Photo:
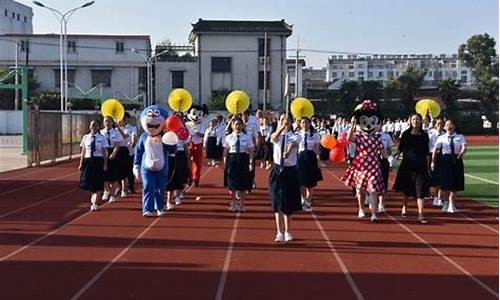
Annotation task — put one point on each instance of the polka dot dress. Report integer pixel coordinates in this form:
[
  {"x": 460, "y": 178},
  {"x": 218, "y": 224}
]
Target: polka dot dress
[{"x": 364, "y": 172}]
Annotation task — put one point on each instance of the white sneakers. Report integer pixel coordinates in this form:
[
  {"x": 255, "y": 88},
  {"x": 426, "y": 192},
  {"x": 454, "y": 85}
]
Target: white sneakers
[
  {"x": 170, "y": 206},
  {"x": 451, "y": 209},
  {"x": 112, "y": 199},
  {"x": 307, "y": 206},
  {"x": 93, "y": 207},
  {"x": 361, "y": 213},
  {"x": 373, "y": 218},
  {"x": 233, "y": 207},
  {"x": 381, "y": 208},
  {"x": 105, "y": 195},
  {"x": 437, "y": 202},
  {"x": 123, "y": 194},
  {"x": 147, "y": 214},
  {"x": 178, "y": 200},
  {"x": 286, "y": 238},
  {"x": 160, "y": 213}
]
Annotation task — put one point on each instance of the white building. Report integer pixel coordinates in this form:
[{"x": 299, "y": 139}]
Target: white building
[
  {"x": 99, "y": 66},
  {"x": 15, "y": 18},
  {"x": 382, "y": 67},
  {"x": 230, "y": 55}
]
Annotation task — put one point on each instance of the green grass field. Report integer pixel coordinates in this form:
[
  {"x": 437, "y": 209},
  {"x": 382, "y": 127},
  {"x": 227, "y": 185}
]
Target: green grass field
[{"x": 482, "y": 162}]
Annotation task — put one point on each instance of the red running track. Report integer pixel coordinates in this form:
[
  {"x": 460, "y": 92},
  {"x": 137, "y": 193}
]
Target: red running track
[{"x": 51, "y": 247}]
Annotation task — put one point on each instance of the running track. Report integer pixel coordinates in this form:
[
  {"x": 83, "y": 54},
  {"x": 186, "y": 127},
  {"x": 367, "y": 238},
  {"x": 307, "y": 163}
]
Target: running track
[{"x": 51, "y": 247}]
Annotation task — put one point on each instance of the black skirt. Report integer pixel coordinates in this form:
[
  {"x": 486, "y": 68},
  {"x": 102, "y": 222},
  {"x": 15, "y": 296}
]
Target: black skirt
[
  {"x": 434, "y": 174},
  {"x": 124, "y": 166},
  {"x": 113, "y": 172},
  {"x": 324, "y": 153},
  {"x": 385, "y": 167},
  {"x": 451, "y": 173},
  {"x": 212, "y": 148},
  {"x": 412, "y": 182},
  {"x": 284, "y": 189},
  {"x": 268, "y": 154},
  {"x": 309, "y": 172},
  {"x": 237, "y": 172},
  {"x": 92, "y": 176},
  {"x": 220, "y": 151},
  {"x": 177, "y": 171},
  {"x": 261, "y": 152}
]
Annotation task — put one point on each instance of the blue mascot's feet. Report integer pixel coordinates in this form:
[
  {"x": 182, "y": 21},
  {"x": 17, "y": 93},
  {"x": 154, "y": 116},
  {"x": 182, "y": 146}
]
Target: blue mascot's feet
[{"x": 147, "y": 214}]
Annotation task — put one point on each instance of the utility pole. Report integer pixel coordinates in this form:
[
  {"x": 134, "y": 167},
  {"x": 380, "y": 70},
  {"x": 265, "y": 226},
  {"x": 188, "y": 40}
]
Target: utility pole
[{"x": 264, "y": 95}]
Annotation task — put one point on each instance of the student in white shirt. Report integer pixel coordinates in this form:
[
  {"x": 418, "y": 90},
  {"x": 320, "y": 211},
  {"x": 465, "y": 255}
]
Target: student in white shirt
[
  {"x": 324, "y": 153},
  {"x": 112, "y": 176},
  {"x": 177, "y": 174},
  {"x": 309, "y": 171},
  {"x": 129, "y": 140},
  {"x": 93, "y": 163},
  {"x": 434, "y": 133},
  {"x": 252, "y": 129},
  {"x": 385, "y": 166},
  {"x": 210, "y": 142},
  {"x": 266, "y": 146},
  {"x": 451, "y": 166},
  {"x": 238, "y": 164},
  {"x": 284, "y": 189}
]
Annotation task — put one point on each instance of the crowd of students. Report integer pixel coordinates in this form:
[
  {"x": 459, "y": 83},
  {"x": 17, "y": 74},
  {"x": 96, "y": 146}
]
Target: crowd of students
[{"x": 432, "y": 156}]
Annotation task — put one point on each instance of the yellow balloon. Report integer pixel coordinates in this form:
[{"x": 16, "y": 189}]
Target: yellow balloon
[
  {"x": 237, "y": 102},
  {"x": 359, "y": 106},
  {"x": 425, "y": 107},
  {"x": 301, "y": 107},
  {"x": 180, "y": 100},
  {"x": 113, "y": 108}
]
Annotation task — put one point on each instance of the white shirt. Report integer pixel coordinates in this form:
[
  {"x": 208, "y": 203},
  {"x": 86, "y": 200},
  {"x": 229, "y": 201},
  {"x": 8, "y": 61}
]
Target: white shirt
[
  {"x": 277, "y": 151},
  {"x": 192, "y": 129},
  {"x": 433, "y": 136},
  {"x": 221, "y": 132},
  {"x": 210, "y": 132},
  {"x": 246, "y": 143},
  {"x": 252, "y": 129},
  {"x": 390, "y": 127},
  {"x": 114, "y": 137},
  {"x": 131, "y": 130},
  {"x": 397, "y": 126},
  {"x": 486, "y": 124},
  {"x": 384, "y": 128},
  {"x": 443, "y": 143},
  {"x": 100, "y": 144},
  {"x": 266, "y": 132},
  {"x": 312, "y": 141},
  {"x": 387, "y": 141},
  {"x": 323, "y": 131}
]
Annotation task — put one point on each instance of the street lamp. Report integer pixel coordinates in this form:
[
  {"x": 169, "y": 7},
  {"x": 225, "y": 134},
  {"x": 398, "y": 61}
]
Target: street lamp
[
  {"x": 149, "y": 79},
  {"x": 63, "y": 58}
]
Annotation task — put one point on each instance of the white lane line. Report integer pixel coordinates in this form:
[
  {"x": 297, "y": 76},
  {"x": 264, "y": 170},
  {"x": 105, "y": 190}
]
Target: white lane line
[
  {"x": 480, "y": 178},
  {"x": 39, "y": 202},
  {"x": 339, "y": 260},
  {"x": 227, "y": 261},
  {"x": 479, "y": 223},
  {"x": 115, "y": 259},
  {"x": 451, "y": 261},
  {"x": 437, "y": 251},
  {"x": 38, "y": 183},
  {"x": 96, "y": 277}
]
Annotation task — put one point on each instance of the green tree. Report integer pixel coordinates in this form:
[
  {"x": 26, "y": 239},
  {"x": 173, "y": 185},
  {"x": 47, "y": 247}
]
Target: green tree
[
  {"x": 349, "y": 92},
  {"x": 409, "y": 83},
  {"x": 391, "y": 89},
  {"x": 371, "y": 90},
  {"x": 448, "y": 91},
  {"x": 479, "y": 54}
]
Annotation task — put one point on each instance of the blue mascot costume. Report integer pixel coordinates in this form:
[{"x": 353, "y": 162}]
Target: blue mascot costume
[{"x": 151, "y": 160}]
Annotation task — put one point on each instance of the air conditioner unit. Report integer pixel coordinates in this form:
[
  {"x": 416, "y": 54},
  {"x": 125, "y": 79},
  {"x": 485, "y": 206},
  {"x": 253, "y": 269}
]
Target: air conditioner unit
[{"x": 268, "y": 60}]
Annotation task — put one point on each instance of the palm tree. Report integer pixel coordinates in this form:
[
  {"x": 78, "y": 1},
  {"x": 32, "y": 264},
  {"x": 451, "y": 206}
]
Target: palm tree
[{"x": 448, "y": 91}]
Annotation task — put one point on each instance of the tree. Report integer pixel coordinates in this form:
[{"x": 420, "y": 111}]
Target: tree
[
  {"x": 349, "y": 92},
  {"x": 391, "y": 89},
  {"x": 448, "y": 91},
  {"x": 168, "y": 48},
  {"x": 409, "y": 83},
  {"x": 371, "y": 90},
  {"x": 479, "y": 54}
]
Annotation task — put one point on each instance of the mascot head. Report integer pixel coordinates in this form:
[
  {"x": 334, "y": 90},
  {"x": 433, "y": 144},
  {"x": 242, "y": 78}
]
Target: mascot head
[
  {"x": 153, "y": 119},
  {"x": 368, "y": 116},
  {"x": 196, "y": 113}
]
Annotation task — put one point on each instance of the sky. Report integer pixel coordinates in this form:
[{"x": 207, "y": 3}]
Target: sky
[{"x": 365, "y": 26}]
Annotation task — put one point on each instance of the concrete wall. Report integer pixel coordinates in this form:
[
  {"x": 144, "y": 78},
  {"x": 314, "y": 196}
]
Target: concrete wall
[
  {"x": 11, "y": 122},
  {"x": 10, "y": 23},
  {"x": 163, "y": 79}
]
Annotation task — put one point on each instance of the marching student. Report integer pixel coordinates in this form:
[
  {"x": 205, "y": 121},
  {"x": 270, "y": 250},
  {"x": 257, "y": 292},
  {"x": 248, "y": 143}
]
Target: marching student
[
  {"x": 324, "y": 153},
  {"x": 284, "y": 189},
  {"x": 93, "y": 163},
  {"x": 177, "y": 174},
  {"x": 385, "y": 167},
  {"x": 221, "y": 129},
  {"x": 252, "y": 129},
  {"x": 112, "y": 176},
  {"x": 434, "y": 134},
  {"x": 210, "y": 142},
  {"x": 266, "y": 130},
  {"x": 238, "y": 163},
  {"x": 309, "y": 171},
  {"x": 451, "y": 165},
  {"x": 129, "y": 139}
]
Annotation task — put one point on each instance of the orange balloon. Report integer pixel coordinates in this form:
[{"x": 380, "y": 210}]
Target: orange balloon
[{"x": 328, "y": 141}]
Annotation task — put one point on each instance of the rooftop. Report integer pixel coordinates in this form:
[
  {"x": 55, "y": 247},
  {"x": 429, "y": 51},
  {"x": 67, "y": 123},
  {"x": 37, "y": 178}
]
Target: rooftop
[{"x": 217, "y": 26}]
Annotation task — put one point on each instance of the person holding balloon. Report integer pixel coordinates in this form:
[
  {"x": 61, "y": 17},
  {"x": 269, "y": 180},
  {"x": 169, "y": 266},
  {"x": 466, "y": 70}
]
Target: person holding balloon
[{"x": 238, "y": 163}]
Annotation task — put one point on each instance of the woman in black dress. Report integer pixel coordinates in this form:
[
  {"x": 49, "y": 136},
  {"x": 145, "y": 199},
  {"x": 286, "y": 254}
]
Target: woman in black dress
[{"x": 413, "y": 174}]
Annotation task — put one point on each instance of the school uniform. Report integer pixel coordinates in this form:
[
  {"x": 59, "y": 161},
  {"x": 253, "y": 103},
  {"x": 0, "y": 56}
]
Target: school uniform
[
  {"x": 434, "y": 134},
  {"x": 237, "y": 164},
  {"x": 113, "y": 139},
  {"x": 266, "y": 132},
  {"x": 131, "y": 130},
  {"x": 284, "y": 188},
  {"x": 123, "y": 157},
  {"x": 307, "y": 161},
  {"x": 195, "y": 151},
  {"x": 252, "y": 129},
  {"x": 324, "y": 153},
  {"x": 177, "y": 176},
  {"x": 384, "y": 162},
  {"x": 210, "y": 141},
  {"x": 451, "y": 170},
  {"x": 221, "y": 134},
  {"x": 92, "y": 175}
]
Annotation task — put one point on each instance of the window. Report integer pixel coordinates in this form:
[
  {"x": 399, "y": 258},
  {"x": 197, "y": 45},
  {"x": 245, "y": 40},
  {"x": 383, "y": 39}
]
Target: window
[
  {"x": 454, "y": 74},
  {"x": 101, "y": 77},
  {"x": 6, "y": 13},
  {"x": 143, "y": 75},
  {"x": 18, "y": 17},
  {"x": 71, "y": 47},
  {"x": 261, "y": 80},
  {"x": 25, "y": 19},
  {"x": 370, "y": 74},
  {"x": 343, "y": 74},
  {"x": 430, "y": 73},
  {"x": 25, "y": 46},
  {"x": 261, "y": 47},
  {"x": 351, "y": 74},
  {"x": 177, "y": 79},
  {"x": 361, "y": 73},
  {"x": 463, "y": 79},
  {"x": 120, "y": 47},
  {"x": 463, "y": 72},
  {"x": 351, "y": 67},
  {"x": 221, "y": 64},
  {"x": 453, "y": 65},
  {"x": 397, "y": 73},
  {"x": 334, "y": 74},
  {"x": 13, "y": 15},
  {"x": 57, "y": 78}
]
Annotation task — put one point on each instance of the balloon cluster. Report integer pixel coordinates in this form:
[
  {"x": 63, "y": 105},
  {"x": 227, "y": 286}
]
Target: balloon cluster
[
  {"x": 180, "y": 101},
  {"x": 336, "y": 146}
]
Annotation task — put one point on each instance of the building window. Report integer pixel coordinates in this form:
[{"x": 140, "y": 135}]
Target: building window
[
  {"x": 143, "y": 75},
  {"x": 380, "y": 74},
  {"x": 13, "y": 15},
  {"x": 261, "y": 80},
  {"x": 430, "y": 73},
  {"x": 453, "y": 65},
  {"x": 71, "y": 78},
  {"x": 71, "y": 47},
  {"x": 351, "y": 67},
  {"x": 343, "y": 74},
  {"x": 18, "y": 17},
  {"x": 361, "y": 73},
  {"x": 351, "y": 74},
  {"x": 6, "y": 13},
  {"x": 221, "y": 64},
  {"x": 25, "y": 19},
  {"x": 334, "y": 74},
  {"x": 101, "y": 77},
  {"x": 25, "y": 46},
  {"x": 454, "y": 74},
  {"x": 463, "y": 72},
  {"x": 463, "y": 79},
  {"x": 177, "y": 79},
  {"x": 370, "y": 74},
  {"x": 119, "y": 47},
  {"x": 261, "y": 47}
]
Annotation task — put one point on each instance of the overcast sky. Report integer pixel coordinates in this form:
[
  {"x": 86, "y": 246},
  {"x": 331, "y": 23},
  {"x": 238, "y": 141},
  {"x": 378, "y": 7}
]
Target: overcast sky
[{"x": 381, "y": 26}]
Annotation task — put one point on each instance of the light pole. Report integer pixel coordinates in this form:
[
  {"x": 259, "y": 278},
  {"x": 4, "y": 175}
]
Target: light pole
[
  {"x": 149, "y": 79},
  {"x": 63, "y": 63}
]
